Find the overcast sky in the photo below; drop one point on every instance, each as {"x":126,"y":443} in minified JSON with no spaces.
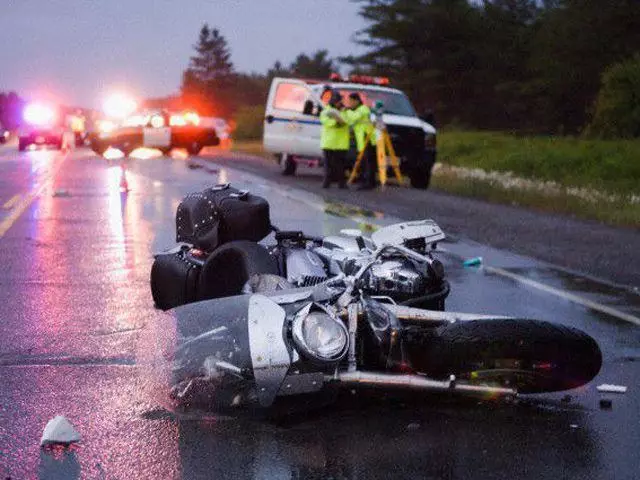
{"x":76,"y":50}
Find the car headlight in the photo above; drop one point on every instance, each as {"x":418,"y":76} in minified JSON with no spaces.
{"x":319,"y":336}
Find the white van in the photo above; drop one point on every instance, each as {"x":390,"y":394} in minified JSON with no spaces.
{"x":292,"y":127}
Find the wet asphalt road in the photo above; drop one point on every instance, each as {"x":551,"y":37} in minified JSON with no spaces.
{"x":75,"y":310}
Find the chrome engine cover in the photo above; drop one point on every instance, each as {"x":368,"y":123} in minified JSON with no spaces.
{"x":393,"y":277}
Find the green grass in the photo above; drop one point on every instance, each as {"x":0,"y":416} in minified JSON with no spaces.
{"x":618,"y":213}
{"x":607,"y":165}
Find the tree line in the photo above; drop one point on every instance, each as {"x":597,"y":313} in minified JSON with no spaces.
{"x":529,"y":66}
{"x":524,"y":65}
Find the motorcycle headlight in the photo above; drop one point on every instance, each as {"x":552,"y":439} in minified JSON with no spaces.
{"x":320,"y":336}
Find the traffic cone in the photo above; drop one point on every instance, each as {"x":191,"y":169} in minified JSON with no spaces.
{"x":124,"y":185}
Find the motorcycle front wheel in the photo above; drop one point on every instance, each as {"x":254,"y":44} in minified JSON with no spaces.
{"x":531,"y":356}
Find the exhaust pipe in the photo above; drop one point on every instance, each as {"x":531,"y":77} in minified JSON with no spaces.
{"x":416,"y":382}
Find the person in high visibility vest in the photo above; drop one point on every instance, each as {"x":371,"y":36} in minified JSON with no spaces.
{"x":334,"y":141}
{"x":358,"y":117}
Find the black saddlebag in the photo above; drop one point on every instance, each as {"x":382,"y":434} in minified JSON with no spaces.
{"x":219,"y":215}
{"x":175,"y":277}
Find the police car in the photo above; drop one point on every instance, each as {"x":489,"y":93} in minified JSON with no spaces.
{"x":42,"y":126}
{"x":153,"y":129}
{"x":292,"y":127}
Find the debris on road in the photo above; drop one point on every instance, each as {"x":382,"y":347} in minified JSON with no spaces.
{"x":61,"y":193}
{"x":606,"y":403}
{"x":59,"y":431}
{"x":473,"y":262}
{"x":607,"y":388}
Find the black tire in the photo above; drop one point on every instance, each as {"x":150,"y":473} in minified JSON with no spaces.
{"x":194,"y":148}
{"x":530,"y":355}
{"x":287,"y":165}
{"x":22,"y":145}
{"x":420,"y":177}
{"x":98,"y":147}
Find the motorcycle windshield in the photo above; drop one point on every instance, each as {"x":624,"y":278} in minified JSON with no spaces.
{"x":221,"y":354}
{"x":198,"y":356}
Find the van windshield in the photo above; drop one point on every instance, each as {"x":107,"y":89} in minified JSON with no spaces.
{"x":395,"y":103}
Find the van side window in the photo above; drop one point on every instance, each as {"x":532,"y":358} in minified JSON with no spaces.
{"x":290,"y":96}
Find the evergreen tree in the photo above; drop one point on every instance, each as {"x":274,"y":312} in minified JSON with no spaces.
{"x":208,"y":83}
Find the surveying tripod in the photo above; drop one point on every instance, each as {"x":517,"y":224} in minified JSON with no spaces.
{"x":384,"y":152}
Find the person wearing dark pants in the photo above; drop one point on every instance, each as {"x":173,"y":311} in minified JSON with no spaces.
{"x":334,"y":141}
{"x":334,"y":171}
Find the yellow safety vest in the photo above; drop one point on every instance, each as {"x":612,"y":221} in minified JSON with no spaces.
{"x":333,"y":136}
{"x":360,"y":120}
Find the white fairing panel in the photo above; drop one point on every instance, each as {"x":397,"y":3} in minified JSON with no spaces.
{"x":398,"y":234}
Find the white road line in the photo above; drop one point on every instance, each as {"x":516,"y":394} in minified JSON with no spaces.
{"x":566,"y":295}
{"x":11,"y":202}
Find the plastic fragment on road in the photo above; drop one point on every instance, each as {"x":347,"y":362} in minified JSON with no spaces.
{"x":606,"y":403}
{"x":59,"y":431}
{"x":473,"y":262}
{"x":61,"y":193}
{"x":607,"y":388}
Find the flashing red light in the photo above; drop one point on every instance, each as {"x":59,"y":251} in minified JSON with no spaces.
{"x":382,"y":81}
{"x":39,"y":114}
{"x":363,"y":79}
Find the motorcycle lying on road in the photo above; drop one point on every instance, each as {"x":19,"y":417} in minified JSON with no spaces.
{"x":276,"y":344}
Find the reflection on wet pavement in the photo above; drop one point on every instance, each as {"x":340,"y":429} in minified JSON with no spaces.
{"x":75,"y":325}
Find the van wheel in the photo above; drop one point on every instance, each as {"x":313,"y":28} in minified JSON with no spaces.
{"x":22,"y":145}
{"x":420,"y":177}
{"x":194,"y":148}
{"x":287,"y":165}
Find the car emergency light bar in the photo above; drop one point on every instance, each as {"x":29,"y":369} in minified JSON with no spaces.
{"x":363,"y":79}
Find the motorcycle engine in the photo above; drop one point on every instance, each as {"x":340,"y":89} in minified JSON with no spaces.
{"x":395,"y":277}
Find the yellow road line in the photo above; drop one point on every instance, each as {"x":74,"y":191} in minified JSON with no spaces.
{"x":11,"y":202}
{"x":566,"y":295}
{"x":8,"y":222}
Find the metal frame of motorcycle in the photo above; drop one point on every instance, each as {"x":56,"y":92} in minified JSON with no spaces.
{"x":354,"y":377}
{"x":384,"y":151}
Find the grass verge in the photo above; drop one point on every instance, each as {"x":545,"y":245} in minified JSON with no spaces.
{"x":617,"y":212}
{"x":611,"y":166}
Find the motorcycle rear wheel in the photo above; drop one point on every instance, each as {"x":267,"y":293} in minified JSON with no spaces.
{"x":531,"y":356}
